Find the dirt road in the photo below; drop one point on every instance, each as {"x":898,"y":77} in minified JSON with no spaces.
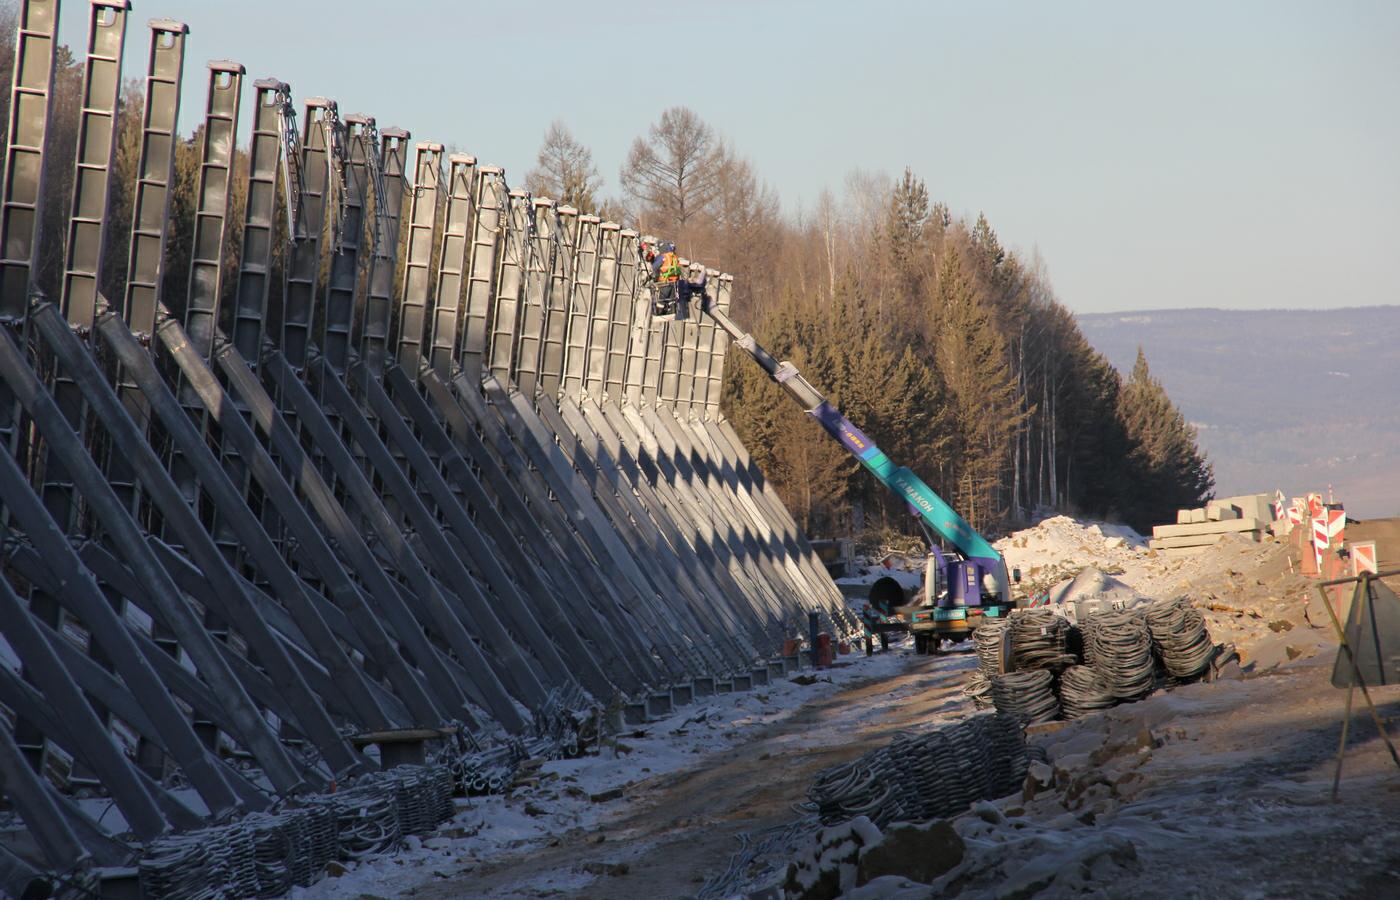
{"x":674,"y":831}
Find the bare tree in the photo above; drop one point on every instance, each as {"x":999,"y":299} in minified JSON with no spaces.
{"x":673,"y":174}
{"x":565,"y":171}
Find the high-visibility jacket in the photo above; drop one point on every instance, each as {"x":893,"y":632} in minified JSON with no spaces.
{"x":668,"y":268}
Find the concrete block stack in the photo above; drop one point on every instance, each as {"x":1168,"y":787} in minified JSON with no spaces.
{"x":1248,"y":515}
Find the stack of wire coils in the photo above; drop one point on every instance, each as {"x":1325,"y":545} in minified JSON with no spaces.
{"x":1038,"y":639}
{"x":317,"y":839}
{"x":177,"y":866}
{"x":979,"y":690}
{"x":367,"y":817}
{"x":1028,"y":697}
{"x":207,"y":863}
{"x":418,"y":797}
{"x":933,"y":774}
{"x":1179,"y":632}
{"x":1086,"y":638}
{"x":987,"y":639}
{"x":273,"y":848}
{"x":1083,"y":690}
{"x":1123,"y":652}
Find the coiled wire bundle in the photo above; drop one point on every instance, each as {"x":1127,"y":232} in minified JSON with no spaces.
{"x":414,"y":802}
{"x":284,"y":851}
{"x":315,"y":835}
{"x":1123,"y":652}
{"x":1179,"y":631}
{"x":367,"y":819}
{"x":988,"y":640}
{"x":1083,"y":690}
{"x":175,"y":866}
{"x":1028,"y":697}
{"x":1086,"y":638}
{"x":979,"y":690}
{"x":916,"y":777}
{"x":745,"y":866}
{"x":208,"y":863}
{"x":1038,"y":639}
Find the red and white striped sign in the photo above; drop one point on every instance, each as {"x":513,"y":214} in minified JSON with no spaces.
{"x":1319,"y":538}
{"x":1363,"y":558}
{"x":1336,"y":524}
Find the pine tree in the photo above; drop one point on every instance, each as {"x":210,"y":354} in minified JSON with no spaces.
{"x":984,"y":238}
{"x":905,"y":219}
{"x":972,"y":359}
{"x":1172,"y":472}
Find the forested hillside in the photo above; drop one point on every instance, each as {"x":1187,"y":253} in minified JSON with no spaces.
{"x":948,"y":349}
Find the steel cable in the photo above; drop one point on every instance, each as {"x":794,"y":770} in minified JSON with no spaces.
{"x":979,"y":690}
{"x":1123,"y":652}
{"x":1179,"y":632}
{"x":987,"y":640}
{"x":1038,"y":640}
{"x":1029,"y":697}
{"x":931,"y":774}
{"x":1083,"y":690}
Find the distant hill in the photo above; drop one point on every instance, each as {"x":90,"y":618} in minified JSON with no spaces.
{"x":1287,"y":399}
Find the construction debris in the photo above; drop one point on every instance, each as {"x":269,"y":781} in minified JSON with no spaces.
{"x":1248,"y":514}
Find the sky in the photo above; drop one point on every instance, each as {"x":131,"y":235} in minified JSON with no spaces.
{"x":1239,"y":155}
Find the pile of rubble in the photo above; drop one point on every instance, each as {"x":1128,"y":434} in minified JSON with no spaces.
{"x":1059,"y":547}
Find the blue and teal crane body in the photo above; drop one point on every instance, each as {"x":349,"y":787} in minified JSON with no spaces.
{"x":975,"y":583}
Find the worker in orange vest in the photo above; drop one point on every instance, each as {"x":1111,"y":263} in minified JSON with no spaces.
{"x":666,"y":272}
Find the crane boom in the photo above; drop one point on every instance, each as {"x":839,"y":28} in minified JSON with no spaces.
{"x":935,"y":512}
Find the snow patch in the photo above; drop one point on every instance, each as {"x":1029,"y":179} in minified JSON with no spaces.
{"x":562,"y":802}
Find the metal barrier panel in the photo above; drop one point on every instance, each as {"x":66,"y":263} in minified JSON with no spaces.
{"x":539,"y":266}
{"x":492,"y":204}
{"x":259,"y":219}
{"x":155,"y":172}
{"x":417,"y":278}
{"x":620,"y":312}
{"x":36,"y":42}
{"x":349,"y":164}
{"x":576,"y":336}
{"x":704,"y":348}
{"x":97,"y":122}
{"x":454,"y":256}
{"x":303,"y":266}
{"x":377,"y":318}
{"x":562,"y":230}
{"x":30,"y":93}
{"x":600,"y":307}
{"x":510,"y":287}
{"x":718,"y":345}
{"x":211,"y":204}
{"x":97,"y":130}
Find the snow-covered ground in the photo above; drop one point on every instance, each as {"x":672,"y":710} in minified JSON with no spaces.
{"x":579,"y":794}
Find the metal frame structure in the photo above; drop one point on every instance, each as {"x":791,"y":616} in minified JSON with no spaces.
{"x":493,"y":492}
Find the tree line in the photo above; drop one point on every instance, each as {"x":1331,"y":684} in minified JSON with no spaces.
{"x":948,"y":349}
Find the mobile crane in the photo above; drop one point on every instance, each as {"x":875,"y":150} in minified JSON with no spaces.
{"x":962,"y":586}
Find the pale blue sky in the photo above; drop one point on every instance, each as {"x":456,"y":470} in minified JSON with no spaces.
{"x":1158,"y":155}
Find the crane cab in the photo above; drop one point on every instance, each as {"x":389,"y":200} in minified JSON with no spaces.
{"x":959,"y":594}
